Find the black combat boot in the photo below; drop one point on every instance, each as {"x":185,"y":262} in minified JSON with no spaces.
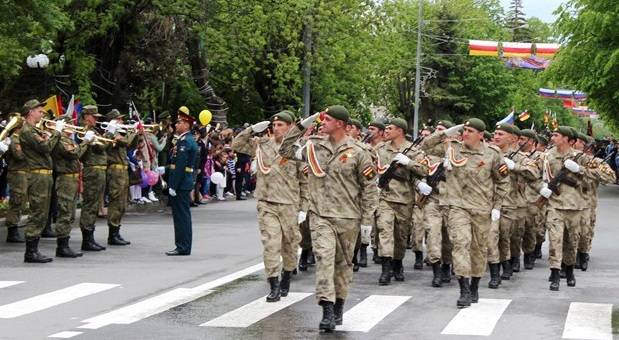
{"x":311,"y":260}
{"x":418,"y":260}
{"x":538,"y":251}
{"x":338,"y":310}
{"x":475,"y":289}
{"x":529,"y":261}
{"x":284,"y":285}
{"x":584,"y":264}
{"x":114,"y":238}
{"x":562,"y":271}
{"x":63,"y":250}
{"x":275,"y":292}
{"x":385,"y":275}
{"x":495,"y":276}
{"x":13,"y":235}
{"x":436,"y":275}
{"x":465,"y":292}
{"x":88,"y":241}
{"x":375,"y":256}
{"x":355,"y":262}
{"x":48,"y":232}
{"x":327,"y":323}
{"x":363,"y":256}
{"x":398,"y":270}
{"x":578,"y":260}
{"x":569,"y":276}
{"x":555,"y":278}
{"x":32,"y":254}
{"x":507,"y":270}
{"x":445,"y":273}
{"x":303,"y":260}
{"x":515,"y":264}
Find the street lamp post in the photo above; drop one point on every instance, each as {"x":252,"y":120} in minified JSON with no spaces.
{"x":40,"y":62}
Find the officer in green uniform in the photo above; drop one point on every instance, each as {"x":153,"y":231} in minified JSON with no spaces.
{"x":180,"y":181}
{"x":117,"y":174}
{"x":37,"y":146}
{"x":17,"y":179}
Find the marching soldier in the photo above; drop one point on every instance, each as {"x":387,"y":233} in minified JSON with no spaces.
{"x":17,"y":179}
{"x":477,"y":179}
{"x":540,"y":220}
{"x":377,"y":130}
{"x":395,"y":206}
{"x":281,"y":190}
{"x":528,"y":139}
{"x":342,"y":193}
{"x":37,"y":146}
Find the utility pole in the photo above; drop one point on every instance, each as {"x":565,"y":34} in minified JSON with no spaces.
{"x":307,"y":68}
{"x":418,"y":71}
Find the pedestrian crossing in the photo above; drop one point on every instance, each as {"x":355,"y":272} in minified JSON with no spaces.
{"x":583,"y":320}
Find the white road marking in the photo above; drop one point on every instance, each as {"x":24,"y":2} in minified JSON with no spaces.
{"x":64,"y":335}
{"x":4,"y":284}
{"x":369,"y":312}
{"x":255,"y":311}
{"x":51,"y":299}
{"x":479,"y":319}
{"x":588,"y":321}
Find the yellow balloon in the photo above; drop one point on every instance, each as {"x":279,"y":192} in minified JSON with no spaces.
{"x":205,"y":117}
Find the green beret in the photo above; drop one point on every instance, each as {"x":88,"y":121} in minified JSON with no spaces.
{"x":338,"y":112}
{"x":586,"y":139}
{"x":399,"y":122}
{"x":31,"y":104}
{"x":509,"y":128}
{"x":445,"y":123}
{"x":487,"y":135}
{"x":284,"y":116}
{"x":356,"y":123}
{"x":565,"y":131}
{"x":91,"y":110}
{"x":476,"y":124}
{"x":528,"y":133}
{"x":377,"y":124}
{"x":114,"y":114}
{"x":542,"y":140}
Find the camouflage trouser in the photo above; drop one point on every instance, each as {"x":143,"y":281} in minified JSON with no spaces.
{"x":563,"y":232}
{"x":18,"y":186}
{"x":418,"y":229}
{"x":435,"y":220}
{"x":510,"y":229}
{"x":493,"y":242}
{"x":118,"y":189}
{"x":306,"y":235}
{"x":94,"y":184}
{"x":529,"y":239}
{"x":39,"y":194}
{"x":280,"y":236}
{"x":66,"y":190}
{"x":586,"y":229}
{"x":517,"y":230}
{"x":333,"y":242}
{"x":393,"y":222}
{"x":540,"y":221}
{"x":468,"y":232}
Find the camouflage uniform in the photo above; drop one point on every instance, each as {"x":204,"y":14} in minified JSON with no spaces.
{"x":17,"y":179}
{"x":532,"y":224}
{"x":94,"y":161}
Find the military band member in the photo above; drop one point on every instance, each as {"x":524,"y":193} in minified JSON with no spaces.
{"x":17,"y":180}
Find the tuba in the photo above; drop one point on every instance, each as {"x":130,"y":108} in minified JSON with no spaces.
{"x":13,"y":123}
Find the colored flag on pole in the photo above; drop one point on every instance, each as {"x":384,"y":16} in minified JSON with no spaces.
{"x":54,"y":104}
{"x":71,"y":110}
{"x":524,"y":116}
{"x":507,"y":120}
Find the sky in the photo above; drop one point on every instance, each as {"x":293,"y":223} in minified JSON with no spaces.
{"x":538,"y":8}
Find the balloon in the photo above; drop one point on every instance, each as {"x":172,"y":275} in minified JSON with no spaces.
{"x":153,"y":177}
{"x":218,"y":178}
{"x":144,"y":180}
{"x":205,"y":117}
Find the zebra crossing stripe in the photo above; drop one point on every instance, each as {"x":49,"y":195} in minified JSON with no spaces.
{"x":588,"y":321}
{"x":65,"y":335}
{"x":369,"y":312}
{"x":4,"y":284}
{"x":51,"y":299}
{"x":479,"y":319}
{"x":255,"y":311}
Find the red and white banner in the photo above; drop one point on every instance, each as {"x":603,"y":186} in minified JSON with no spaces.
{"x":483,"y":48}
{"x":515,"y":49}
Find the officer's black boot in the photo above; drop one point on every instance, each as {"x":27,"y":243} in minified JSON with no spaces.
{"x":13,"y":235}
{"x":328,"y":316}
{"x":515,"y":264}
{"x":88,"y":241}
{"x":436,"y":272}
{"x":418,"y":260}
{"x":465,"y":292}
{"x":284,"y":285}
{"x":578,"y":260}
{"x":555,"y":278}
{"x":445,"y":273}
{"x":275,"y":292}
{"x":385,"y":275}
{"x":507,"y":270}
{"x":538,"y":251}
{"x":363,"y":256}
{"x":495,"y":276}
{"x":398,"y":270}
{"x":303,"y":260}
{"x":338,"y":310}
{"x":63,"y":250}
{"x":32,"y":254}
{"x":529,"y":261}
{"x":562,"y":271}
{"x":475,"y":289}
{"x":569,"y":276}
{"x":375,"y":256}
{"x":48,"y":232}
{"x":114,"y":238}
{"x":584,"y":262}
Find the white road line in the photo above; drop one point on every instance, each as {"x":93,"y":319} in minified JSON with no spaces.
{"x":162,"y":302}
{"x":588,"y":321}
{"x":479,"y":319}
{"x":4,"y":284}
{"x":51,"y":299}
{"x":369,"y":312}
{"x":255,"y":311}
{"x":65,"y":335}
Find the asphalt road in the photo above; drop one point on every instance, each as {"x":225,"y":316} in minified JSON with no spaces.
{"x":137,"y":292}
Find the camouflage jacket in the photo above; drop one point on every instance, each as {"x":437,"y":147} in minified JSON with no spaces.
{"x":570,"y":196}
{"x":67,"y":155}
{"x":117,"y":152}
{"x":525,"y":170}
{"x":95,"y":154}
{"x":15,"y":158}
{"x":37,"y":147}
{"x":401,"y":188}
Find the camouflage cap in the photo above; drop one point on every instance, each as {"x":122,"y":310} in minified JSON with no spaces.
{"x":528,"y":133}
{"x":476,"y":124}
{"x":164,"y":115}
{"x":399,"y":122}
{"x":445,"y":123}
{"x":91,"y":110}
{"x":31,"y":104}
{"x":114,"y":114}
{"x":378,"y":124}
{"x":338,"y":112}
{"x":356,"y":123}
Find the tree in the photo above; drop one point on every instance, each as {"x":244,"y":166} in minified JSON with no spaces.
{"x":517,"y":22}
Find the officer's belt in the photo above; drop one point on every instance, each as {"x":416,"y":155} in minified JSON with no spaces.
{"x":118,"y":166}
{"x":70,"y":174}
{"x":172,"y":167}
{"x":41,"y":172}
{"x":98,"y":167}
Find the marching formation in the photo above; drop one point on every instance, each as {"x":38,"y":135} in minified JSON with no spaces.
{"x":475,"y":199}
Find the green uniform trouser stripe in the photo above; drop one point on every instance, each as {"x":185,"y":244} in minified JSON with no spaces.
{"x":18,"y":192}
{"x":39,"y":195}
{"x":94,"y":185}
{"x":118,"y":186}
{"x":66,"y":190}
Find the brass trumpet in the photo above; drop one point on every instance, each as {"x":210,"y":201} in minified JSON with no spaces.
{"x":98,"y":139}
{"x":13,"y":123}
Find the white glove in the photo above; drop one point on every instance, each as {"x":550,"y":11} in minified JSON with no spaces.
{"x":7,"y":141}
{"x":259,"y":127}
{"x":59,"y":125}
{"x":111,"y":127}
{"x":424,"y":188}
{"x":571,"y":166}
{"x":307,"y":122}
{"x":510,"y":164}
{"x":89,"y":136}
{"x":402,"y":159}
{"x":366,"y":234}
{"x":453,"y":131}
{"x":172,"y":192}
{"x":495,"y":215}
{"x":161,"y":170}
{"x":3,"y":147}
{"x":302,"y":217}
{"x":544,"y":191}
